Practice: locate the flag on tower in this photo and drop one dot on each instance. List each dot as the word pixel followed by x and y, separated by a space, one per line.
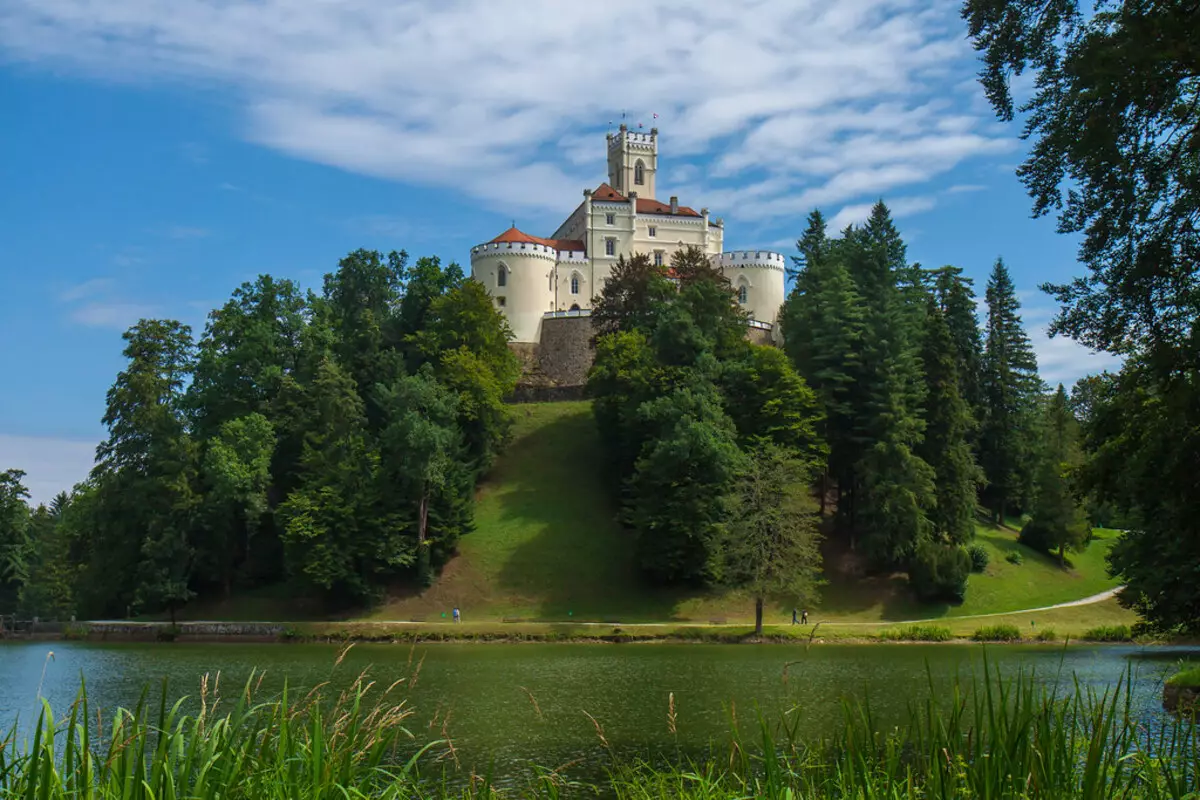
pixel 656 116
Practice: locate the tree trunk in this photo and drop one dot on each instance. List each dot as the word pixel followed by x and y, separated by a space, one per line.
pixel 824 489
pixel 758 611
pixel 1000 513
pixel 422 518
pixel 1062 554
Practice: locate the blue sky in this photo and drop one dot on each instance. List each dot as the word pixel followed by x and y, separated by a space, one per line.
pixel 153 156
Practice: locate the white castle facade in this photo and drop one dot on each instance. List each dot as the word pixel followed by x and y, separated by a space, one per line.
pixel 533 278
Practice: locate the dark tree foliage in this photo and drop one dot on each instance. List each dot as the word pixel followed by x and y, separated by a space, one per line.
pixel 1113 117
pixel 329 441
pixel 1057 521
pixel 1115 125
pixel 14 537
pixel 1011 389
pixel 948 426
pixel 940 572
pixel 1144 451
pixel 635 292
pixel 679 398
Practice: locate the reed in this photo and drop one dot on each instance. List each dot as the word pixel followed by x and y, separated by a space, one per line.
pixel 994 737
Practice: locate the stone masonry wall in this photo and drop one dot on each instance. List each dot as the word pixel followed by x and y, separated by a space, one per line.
pixel 566 354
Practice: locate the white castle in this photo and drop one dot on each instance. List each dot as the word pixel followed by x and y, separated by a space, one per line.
pixel 533 278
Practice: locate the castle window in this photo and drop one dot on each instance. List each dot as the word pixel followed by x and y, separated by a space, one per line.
pixel 639 173
pixel 658 258
pixel 574 284
pixel 610 219
pixel 742 294
pixel 502 276
pixel 653 231
pixel 610 247
pixel 500 301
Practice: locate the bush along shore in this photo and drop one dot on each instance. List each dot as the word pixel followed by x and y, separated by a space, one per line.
pixel 952 631
pixel 1008 737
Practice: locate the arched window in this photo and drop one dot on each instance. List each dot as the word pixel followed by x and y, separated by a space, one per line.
pixel 742 294
pixel 639 173
pixel 502 275
pixel 575 283
pixel 574 307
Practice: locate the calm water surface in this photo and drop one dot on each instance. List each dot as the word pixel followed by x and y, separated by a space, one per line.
pixel 486 690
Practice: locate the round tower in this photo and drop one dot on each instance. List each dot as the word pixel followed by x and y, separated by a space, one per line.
pixel 758 278
pixel 518 270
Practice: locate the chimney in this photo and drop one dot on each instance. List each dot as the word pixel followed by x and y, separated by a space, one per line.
pixel 674 204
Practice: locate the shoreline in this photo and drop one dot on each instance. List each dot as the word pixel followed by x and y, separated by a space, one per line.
pixel 517 633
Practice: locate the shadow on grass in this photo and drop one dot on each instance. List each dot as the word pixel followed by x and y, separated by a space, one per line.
pixel 580 564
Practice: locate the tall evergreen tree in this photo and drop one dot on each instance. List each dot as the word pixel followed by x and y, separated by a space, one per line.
pixel 1010 388
pixel 14 537
pixel 956 300
pixel 948 425
pixel 146 477
pixel 1058 522
pixel 771 548
pixel 893 486
pixel 822 323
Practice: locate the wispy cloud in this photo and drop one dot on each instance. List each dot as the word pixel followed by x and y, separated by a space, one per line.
pixel 186 232
pixel 99 303
pixel 960 188
pixel 52 465
pixel 900 207
pixel 116 315
pixel 89 288
pixel 792 104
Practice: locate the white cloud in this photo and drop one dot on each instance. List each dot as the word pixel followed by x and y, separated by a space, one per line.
pixel 187 232
pixel 795 104
pixel 118 316
pixel 900 207
pixel 51 465
pixel 88 288
pixel 1062 360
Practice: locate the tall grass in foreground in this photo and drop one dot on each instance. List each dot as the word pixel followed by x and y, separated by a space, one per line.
pixel 1010 738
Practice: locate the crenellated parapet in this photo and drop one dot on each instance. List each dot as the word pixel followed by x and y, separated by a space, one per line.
pixel 531 249
pixel 761 259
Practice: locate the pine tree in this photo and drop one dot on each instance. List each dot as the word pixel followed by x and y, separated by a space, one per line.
pixel 1010 388
pixel 893 486
pixel 948 425
pixel 956 300
pixel 822 323
pixel 1058 522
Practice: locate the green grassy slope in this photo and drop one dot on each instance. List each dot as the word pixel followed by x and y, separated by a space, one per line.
pixel 547 547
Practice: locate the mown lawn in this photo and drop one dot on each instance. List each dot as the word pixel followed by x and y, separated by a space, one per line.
pixel 547 547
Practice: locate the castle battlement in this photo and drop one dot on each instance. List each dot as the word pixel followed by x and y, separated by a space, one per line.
pixel 752 258
pixel 637 138
pixel 513 248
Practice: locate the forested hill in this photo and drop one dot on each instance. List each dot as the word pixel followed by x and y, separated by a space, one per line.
pixel 333 443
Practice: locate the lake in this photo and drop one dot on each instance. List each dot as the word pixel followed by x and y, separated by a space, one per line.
pixel 515 704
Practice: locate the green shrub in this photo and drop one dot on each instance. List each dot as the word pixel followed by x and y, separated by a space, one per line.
pixel 979 557
pixel 998 633
pixel 1188 676
pixel 1014 557
pixel 917 633
pixel 1047 635
pixel 1109 633
pixel 939 572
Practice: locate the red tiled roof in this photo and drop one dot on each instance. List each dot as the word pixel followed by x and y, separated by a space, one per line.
pixel 648 206
pixel 606 192
pixel 513 234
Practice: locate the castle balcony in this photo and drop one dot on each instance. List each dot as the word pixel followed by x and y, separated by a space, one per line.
pixel 757 323
pixel 575 312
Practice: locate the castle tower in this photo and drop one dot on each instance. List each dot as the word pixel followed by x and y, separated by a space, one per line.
pixel 758 277
pixel 519 271
pixel 633 161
